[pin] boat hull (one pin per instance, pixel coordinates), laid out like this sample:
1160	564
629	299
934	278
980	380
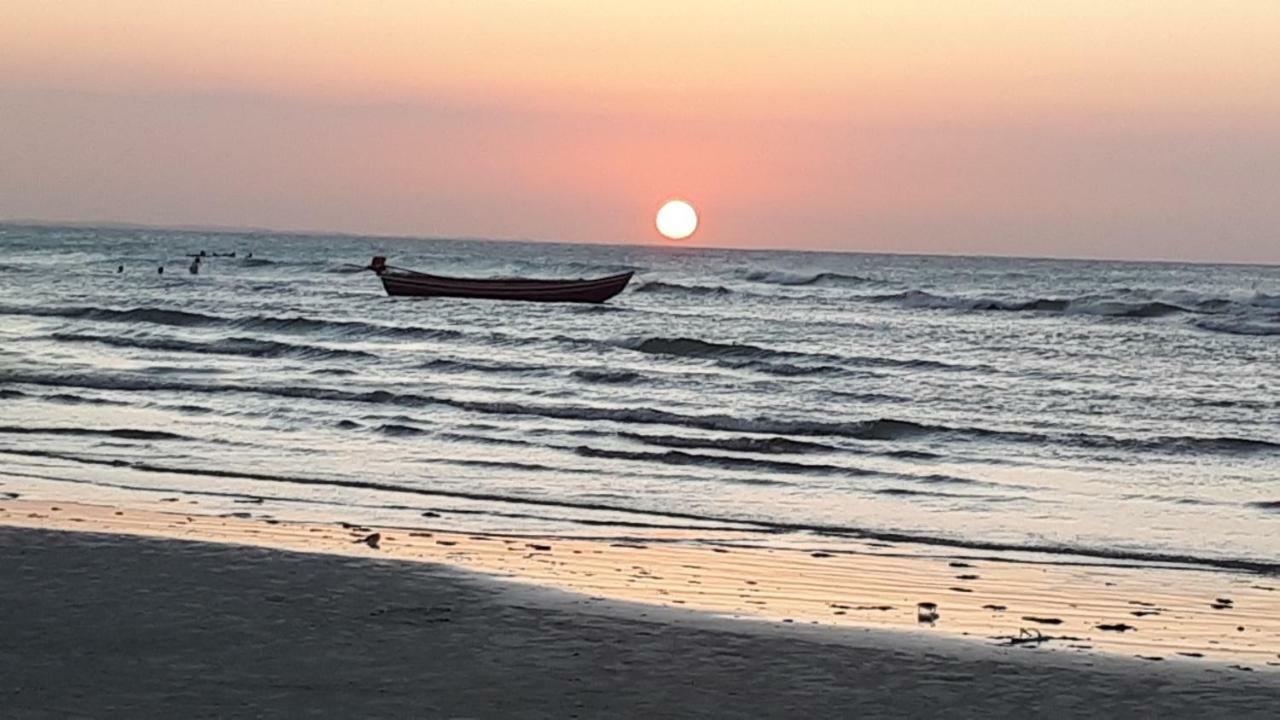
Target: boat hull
401	284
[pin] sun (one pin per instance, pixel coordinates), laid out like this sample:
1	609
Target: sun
677	220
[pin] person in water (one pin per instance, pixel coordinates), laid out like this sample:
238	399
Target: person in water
195	267
120	269
160	270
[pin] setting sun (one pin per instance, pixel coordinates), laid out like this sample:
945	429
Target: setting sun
677	220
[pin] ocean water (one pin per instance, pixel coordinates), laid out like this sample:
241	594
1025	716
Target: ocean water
1100	410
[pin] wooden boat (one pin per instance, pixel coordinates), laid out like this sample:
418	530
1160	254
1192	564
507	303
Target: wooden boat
399	282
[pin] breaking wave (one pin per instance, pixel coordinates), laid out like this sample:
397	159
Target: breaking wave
833	279
670	288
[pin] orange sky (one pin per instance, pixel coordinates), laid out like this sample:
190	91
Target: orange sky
1126	129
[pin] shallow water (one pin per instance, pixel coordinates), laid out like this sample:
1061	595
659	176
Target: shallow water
1110	409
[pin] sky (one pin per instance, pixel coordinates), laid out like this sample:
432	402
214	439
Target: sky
1077	128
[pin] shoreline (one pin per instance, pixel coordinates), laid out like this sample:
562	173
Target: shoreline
932	544
1154	616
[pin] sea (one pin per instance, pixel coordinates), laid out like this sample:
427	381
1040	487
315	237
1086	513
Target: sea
1089	411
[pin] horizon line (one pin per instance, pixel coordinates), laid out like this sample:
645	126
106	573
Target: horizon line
227	229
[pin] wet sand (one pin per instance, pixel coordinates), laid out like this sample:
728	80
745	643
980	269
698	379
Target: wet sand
313	622
1210	617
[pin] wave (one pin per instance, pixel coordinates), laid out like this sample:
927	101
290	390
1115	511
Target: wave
141	383
777	277
1120	303
765	445
119	433
238	346
1094	305
607	377
398	430
774	446
1266	505
486	439
449	365
72	399
182	318
256	262
879	429
785	363
157	316
690	347
740	356
785	369
188	409
1241	326
331	371
756	525
868	429
669	288
679	457
907	492
1184	444
507	465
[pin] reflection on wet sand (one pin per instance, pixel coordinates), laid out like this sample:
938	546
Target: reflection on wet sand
1155	613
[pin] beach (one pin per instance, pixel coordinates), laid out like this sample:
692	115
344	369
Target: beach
123	612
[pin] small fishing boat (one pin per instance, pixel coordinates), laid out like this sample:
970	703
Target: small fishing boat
400	282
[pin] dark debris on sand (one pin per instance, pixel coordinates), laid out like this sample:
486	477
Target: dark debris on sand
1032	636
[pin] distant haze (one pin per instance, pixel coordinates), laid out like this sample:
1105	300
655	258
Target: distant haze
1063	127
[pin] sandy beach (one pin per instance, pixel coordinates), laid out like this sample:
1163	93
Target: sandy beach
144	612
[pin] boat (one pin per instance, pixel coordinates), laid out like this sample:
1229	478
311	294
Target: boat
399	282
